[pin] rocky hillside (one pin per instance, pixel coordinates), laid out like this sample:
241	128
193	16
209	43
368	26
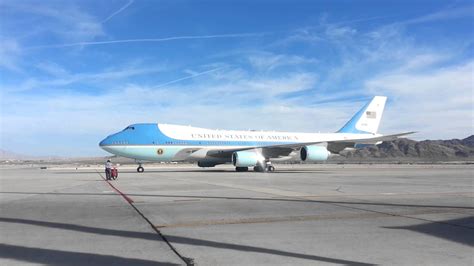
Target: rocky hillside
400	150
432	150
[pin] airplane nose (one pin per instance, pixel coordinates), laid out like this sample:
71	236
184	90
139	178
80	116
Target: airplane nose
104	142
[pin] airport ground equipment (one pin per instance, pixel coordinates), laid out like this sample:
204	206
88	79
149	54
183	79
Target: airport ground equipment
114	173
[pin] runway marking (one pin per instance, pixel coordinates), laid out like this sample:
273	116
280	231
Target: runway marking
269	191
301	218
304	195
298	195
184	200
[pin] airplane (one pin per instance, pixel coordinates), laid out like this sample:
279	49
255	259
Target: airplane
244	149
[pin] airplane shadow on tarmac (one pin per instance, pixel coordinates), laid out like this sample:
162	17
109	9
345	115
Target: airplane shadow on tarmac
460	230
452	230
59	257
55	257
349	203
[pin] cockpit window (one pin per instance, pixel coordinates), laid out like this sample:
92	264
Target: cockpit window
129	128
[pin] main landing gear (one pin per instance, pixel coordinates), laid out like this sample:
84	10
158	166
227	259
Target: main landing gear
267	166
261	167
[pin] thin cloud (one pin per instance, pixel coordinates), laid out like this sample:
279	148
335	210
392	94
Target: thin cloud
118	11
63	19
63	78
353	21
188	37
269	61
10	50
187	77
437	102
454	13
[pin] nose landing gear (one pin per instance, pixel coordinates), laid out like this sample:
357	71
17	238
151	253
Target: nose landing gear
140	169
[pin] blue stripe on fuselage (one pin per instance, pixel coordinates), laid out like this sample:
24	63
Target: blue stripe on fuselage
350	126
150	134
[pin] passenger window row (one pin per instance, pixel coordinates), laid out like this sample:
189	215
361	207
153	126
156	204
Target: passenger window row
176	143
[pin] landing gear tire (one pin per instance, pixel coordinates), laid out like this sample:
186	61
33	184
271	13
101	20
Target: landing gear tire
140	169
271	168
241	169
259	168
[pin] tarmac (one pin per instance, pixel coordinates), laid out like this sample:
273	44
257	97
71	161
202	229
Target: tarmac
298	215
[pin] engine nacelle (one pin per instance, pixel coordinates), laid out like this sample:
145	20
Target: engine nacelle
211	162
314	153
206	164
246	158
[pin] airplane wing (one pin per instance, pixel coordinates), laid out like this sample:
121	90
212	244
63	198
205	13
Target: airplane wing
282	150
267	151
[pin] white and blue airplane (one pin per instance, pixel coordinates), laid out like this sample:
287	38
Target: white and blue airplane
244	149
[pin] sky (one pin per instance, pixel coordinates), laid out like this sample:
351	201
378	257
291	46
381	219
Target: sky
73	72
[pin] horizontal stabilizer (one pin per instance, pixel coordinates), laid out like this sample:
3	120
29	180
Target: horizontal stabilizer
377	139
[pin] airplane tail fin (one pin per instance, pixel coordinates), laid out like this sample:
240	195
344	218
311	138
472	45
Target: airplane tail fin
367	120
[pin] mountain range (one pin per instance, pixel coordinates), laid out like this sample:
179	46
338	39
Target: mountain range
400	150
407	149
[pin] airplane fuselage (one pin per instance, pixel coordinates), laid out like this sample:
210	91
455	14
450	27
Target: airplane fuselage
165	143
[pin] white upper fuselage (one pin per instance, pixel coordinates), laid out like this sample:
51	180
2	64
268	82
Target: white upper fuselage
189	133
165	142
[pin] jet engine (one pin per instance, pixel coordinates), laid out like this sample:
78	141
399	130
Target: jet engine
246	158
314	153
207	164
211	162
